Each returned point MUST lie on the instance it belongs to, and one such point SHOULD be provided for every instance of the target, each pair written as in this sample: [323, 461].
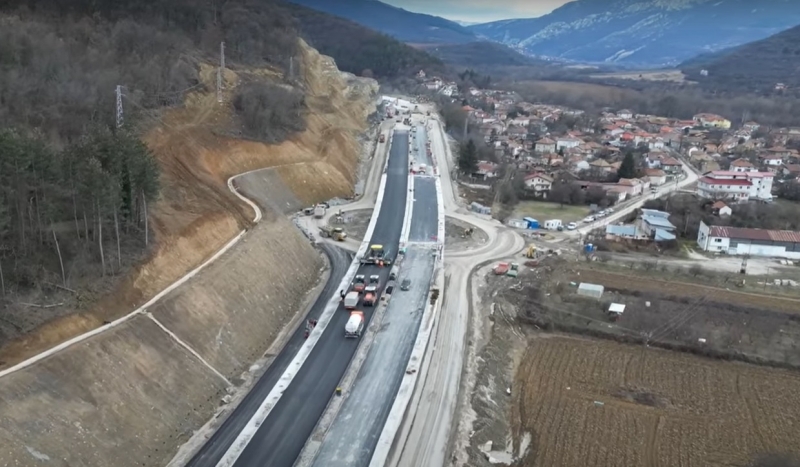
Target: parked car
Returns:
[572, 226]
[405, 285]
[589, 219]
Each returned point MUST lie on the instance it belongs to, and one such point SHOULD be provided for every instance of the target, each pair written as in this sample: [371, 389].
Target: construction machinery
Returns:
[370, 295]
[376, 255]
[336, 233]
[467, 232]
[319, 211]
[351, 300]
[355, 325]
[531, 252]
[359, 283]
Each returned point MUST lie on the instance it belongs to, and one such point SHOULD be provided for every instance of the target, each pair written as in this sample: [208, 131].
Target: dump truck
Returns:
[382, 139]
[375, 255]
[355, 325]
[319, 211]
[351, 300]
[370, 295]
[501, 269]
[359, 283]
[336, 233]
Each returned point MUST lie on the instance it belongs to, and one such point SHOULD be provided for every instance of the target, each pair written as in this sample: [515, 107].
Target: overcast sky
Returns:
[480, 11]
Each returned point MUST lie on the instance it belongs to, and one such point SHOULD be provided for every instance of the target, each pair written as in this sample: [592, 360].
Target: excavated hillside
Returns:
[135, 393]
[197, 214]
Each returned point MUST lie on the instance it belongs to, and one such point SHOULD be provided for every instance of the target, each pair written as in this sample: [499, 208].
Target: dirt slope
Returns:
[196, 214]
[134, 394]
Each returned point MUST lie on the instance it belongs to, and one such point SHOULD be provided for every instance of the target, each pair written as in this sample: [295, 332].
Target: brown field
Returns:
[588, 89]
[627, 282]
[592, 403]
[675, 76]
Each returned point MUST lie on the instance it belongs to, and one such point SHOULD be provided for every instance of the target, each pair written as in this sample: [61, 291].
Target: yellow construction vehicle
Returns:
[336, 233]
[530, 252]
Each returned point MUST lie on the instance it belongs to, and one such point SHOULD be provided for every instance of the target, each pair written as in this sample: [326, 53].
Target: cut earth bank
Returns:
[137, 391]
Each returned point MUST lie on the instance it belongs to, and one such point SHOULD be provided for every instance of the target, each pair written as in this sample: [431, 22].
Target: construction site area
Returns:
[582, 363]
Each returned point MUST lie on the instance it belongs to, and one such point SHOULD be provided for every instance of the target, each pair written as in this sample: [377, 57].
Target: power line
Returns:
[220, 70]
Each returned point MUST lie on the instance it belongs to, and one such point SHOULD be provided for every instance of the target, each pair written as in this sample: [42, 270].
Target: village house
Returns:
[721, 209]
[753, 242]
[657, 176]
[539, 183]
[486, 170]
[712, 121]
[656, 225]
[567, 142]
[625, 114]
[791, 170]
[743, 165]
[633, 186]
[671, 166]
[545, 145]
[737, 186]
[601, 165]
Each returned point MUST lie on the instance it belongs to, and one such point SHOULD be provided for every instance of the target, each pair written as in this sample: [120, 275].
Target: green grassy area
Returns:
[542, 211]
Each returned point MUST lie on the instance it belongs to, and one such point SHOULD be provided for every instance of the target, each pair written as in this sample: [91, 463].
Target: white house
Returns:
[738, 186]
[520, 121]
[655, 144]
[743, 165]
[657, 176]
[545, 145]
[755, 242]
[539, 183]
[625, 114]
[567, 142]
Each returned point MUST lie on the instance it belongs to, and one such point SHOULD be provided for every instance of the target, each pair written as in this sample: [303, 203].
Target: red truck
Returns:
[382, 139]
[370, 293]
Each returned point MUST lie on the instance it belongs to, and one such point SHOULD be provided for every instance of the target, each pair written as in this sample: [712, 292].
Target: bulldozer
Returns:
[336, 233]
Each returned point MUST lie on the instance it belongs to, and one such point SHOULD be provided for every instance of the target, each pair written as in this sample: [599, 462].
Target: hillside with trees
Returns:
[756, 67]
[482, 54]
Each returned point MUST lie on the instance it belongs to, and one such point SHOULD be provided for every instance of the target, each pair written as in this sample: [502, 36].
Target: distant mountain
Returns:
[643, 32]
[754, 67]
[396, 22]
[481, 54]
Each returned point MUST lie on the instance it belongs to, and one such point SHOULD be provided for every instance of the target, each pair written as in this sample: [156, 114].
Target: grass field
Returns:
[661, 75]
[592, 403]
[542, 211]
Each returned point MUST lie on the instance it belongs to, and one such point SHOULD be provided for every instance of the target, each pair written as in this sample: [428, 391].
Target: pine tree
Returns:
[628, 167]
[468, 157]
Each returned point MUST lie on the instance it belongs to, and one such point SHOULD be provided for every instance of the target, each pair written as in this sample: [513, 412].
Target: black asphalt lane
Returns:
[425, 215]
[210, 454]
[280, 439]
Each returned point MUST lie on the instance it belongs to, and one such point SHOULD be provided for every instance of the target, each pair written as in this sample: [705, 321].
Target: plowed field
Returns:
[591, 403]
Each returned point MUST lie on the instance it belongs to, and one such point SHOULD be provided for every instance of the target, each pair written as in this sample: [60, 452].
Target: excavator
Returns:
[531, 252]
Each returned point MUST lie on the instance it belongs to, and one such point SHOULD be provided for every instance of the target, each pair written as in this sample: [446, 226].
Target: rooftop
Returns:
[754, 234]
[726, 181]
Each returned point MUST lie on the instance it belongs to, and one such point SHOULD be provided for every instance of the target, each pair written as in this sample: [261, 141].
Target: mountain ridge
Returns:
[401, 24]
[642, 32]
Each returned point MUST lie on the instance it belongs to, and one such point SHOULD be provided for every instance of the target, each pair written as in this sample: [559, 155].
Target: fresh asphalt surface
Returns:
[351, 439]
[281, 437]
[222, 439]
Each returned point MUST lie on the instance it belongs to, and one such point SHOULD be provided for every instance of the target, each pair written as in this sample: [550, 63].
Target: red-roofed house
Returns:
[657, 176]
[545, 145]
[721, 209]
[742, 165]
[539, 183]
[485, 170]
[755, 242]
[737, 186]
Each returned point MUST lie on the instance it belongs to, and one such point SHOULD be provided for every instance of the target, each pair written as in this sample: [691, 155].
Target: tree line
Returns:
[81, 205]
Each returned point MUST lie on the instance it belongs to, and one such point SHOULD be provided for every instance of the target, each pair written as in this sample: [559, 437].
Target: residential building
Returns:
[754, 242]
[545, 145]
[737, 186]
[633, 186]
[657, 176]
[671, 166]
[792, 170]
[601, 165]
[721, 209]
[625, 114]
[712, 121]
[539, 183]
[567, 142]
[486, 170]
[743, 165]
[656, 225]
[629, 231]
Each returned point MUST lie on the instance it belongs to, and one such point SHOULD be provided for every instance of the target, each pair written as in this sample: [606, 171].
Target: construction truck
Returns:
[336, 233]
[319, 211]
[359, 283]
[370, 295]
[355, 325]
[376, 255]
[351, 300]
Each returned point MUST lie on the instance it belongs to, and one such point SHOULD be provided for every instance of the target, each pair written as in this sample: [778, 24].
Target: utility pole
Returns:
[220, 70]
[119, 106]
[466, 122]
[291, 68]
